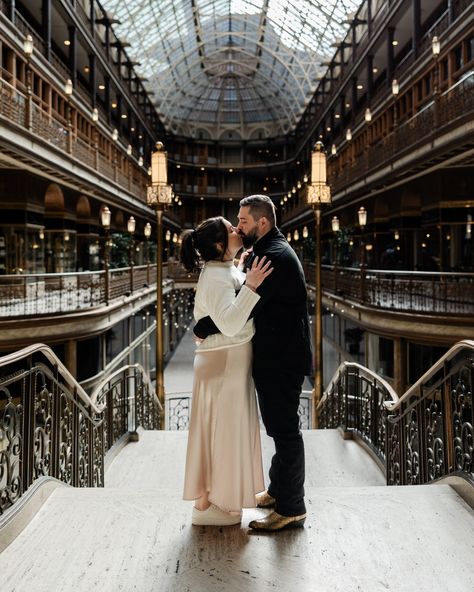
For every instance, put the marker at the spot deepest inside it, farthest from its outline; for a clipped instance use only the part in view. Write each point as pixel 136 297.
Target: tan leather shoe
pixel 264 500
pixel 274 522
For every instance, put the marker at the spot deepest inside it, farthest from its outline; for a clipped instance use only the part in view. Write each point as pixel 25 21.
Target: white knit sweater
pixel 215 296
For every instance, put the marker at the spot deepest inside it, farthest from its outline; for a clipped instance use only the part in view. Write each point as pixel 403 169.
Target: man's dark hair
pixel 260 205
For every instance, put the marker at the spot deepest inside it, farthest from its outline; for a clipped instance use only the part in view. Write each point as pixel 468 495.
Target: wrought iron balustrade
pixel 49 426
pixel 444 112
pixel 178 410
pixel 52 128
pixel 424 292
pixel 426 434
pixel 51 293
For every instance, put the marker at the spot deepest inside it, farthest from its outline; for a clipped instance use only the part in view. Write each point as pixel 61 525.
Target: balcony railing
pixel 444 113
pixel 52 293
pixel 422 292
pixel 22 111
pixel 51 429
pixel 424 435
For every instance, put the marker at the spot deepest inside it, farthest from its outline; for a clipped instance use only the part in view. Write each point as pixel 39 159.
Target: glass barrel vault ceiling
pixel 244 67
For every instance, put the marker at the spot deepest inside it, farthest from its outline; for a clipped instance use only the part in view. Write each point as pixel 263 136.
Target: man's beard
pixel 249 239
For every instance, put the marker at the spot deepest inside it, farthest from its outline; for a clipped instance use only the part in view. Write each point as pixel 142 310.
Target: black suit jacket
pixel 282 337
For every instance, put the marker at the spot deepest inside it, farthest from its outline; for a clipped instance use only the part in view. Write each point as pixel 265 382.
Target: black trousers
pixel 279 397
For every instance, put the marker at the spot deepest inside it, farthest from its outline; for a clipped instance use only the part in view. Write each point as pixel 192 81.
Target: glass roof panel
pixel 266 53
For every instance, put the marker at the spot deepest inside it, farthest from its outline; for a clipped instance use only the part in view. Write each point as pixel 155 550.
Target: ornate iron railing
pixel 426 434
pixel 445 112
pixel 50 293
pixel 425 292
pixel 49 426
pixel 178 410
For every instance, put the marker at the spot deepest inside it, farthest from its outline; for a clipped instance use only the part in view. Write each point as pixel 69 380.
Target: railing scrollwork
pixel 50 427
pixel 423 436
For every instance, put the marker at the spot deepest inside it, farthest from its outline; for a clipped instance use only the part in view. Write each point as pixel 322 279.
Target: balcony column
pixel 416 24
pixel 70 356
pixel 92 18
pixel 390 55
pixel 46 27
pixel 73 54
pixel 369 19
pixel 11 11
pixel 107 97
pixel 400 365
pixel 370 78
pixel 93 79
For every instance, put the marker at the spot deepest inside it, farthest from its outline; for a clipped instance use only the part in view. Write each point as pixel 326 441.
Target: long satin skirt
pixel 224 456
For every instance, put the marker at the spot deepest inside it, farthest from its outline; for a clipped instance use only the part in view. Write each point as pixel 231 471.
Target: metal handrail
pixel 364 370
pixel 420 437
pixel 28 351
pixel 50 427
pixel 449 355
pixel 99 389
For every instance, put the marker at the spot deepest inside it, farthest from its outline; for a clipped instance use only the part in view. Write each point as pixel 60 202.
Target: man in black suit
pixel 281 359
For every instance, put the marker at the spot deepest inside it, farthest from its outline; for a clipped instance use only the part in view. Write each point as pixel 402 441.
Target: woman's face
pixel 235 241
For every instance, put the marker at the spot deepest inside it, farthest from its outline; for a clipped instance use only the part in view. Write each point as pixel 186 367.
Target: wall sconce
pixel 288 237
pixel 368 115
pixel 175 237
pixel 348 135
pixel 115 135
pixel 129 149
pixel 95 115
pixel 140 161
pixel 335 224
pixel 396 235
pixel 168 235
pixel 395 87
pixel 305 232
pixel 334 148
pixel 435 46
pixel 147 230
pixel 296 235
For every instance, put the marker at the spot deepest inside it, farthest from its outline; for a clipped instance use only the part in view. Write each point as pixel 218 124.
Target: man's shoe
pixel 275 522
pixel 265 500
pixel 214 516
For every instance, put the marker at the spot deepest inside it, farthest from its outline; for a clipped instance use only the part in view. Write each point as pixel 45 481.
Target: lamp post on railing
pixel 131 229
pixel 105 216
pixel 159 196
pixel 147 232
pixel 28 51
pixel 436 48
pixel 318 194
pixel 68 90
pixel 335 228
pixel 362 217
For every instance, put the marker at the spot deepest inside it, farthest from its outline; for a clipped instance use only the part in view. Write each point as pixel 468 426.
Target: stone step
pixel 370 539
pixel 136 533
pixel 157 460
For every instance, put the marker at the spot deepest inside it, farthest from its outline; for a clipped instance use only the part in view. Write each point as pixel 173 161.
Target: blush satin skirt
pixel 224 456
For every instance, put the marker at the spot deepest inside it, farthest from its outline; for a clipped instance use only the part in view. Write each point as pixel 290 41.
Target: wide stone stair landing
pixel 136 534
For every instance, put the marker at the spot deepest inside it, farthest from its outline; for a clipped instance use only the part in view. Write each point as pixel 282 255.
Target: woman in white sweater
pixel 223 461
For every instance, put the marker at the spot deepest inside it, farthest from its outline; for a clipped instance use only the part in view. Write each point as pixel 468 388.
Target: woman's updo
pixel 208 242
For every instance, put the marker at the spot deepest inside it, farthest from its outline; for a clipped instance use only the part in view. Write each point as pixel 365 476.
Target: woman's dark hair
pixel 208 242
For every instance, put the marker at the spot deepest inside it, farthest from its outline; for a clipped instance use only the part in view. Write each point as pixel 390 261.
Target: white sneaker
pixel 214 516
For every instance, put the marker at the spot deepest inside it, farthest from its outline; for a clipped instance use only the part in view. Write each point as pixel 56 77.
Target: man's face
pixel 247 227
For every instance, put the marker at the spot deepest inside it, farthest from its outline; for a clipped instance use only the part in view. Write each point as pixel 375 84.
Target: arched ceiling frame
pixel 173 92
pixel 285 40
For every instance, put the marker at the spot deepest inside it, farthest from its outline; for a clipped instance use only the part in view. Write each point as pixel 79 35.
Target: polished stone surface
pixel 136 534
